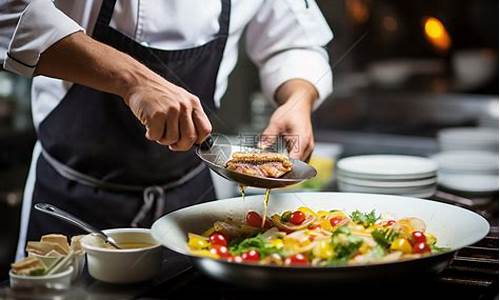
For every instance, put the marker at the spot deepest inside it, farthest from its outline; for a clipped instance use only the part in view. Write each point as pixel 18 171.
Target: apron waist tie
pixel 152 195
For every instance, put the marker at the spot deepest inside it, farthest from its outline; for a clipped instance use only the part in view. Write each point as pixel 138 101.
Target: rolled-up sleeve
pixel 33 27
pixel 286 39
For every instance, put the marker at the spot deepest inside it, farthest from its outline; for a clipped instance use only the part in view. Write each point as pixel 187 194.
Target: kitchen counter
pixel 87 288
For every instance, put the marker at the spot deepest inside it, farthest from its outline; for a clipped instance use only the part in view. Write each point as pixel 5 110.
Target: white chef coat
pixel 284 38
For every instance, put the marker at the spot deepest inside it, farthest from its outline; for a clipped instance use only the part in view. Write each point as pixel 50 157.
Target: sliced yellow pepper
pixel 277 243
pixel 401 245
pixel 323 214
pixel 197 242
pixel 364 248
pixel 326 225
pixel 204 253
pixel 290 244
pixel 323 249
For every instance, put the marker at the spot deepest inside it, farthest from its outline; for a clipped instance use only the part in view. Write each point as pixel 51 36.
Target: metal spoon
pixel 215 151
pixel 69 218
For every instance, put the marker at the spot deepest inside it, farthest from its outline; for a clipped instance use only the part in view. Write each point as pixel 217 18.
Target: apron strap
pixel 105 13
pixel 74 175
pixel 224 18
pixel 152 195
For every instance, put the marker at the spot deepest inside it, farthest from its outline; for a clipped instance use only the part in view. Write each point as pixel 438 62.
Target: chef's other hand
pixel 292 119
pixel 172 116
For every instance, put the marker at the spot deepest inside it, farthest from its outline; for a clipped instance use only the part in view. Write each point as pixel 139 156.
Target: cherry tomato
pixel 297 217
pixel 235 259
pixel 421 248
pixel 314 226
pixel 389 223
pixel 418 237
pixel 220 250
pixel 218 238
pixel 255 220
pixel 297 260
pixel 251 256
pixel 335 221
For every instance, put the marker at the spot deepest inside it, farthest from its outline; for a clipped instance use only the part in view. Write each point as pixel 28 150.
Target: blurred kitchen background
pixel 403 71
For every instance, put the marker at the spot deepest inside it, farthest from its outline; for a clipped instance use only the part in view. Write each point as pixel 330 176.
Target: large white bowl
pixel 455 227
pixel 60 280
pixel 123 265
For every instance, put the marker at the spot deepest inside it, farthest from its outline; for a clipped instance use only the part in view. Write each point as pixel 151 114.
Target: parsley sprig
pixel 365 219
pixel 384 237
pixel 256 243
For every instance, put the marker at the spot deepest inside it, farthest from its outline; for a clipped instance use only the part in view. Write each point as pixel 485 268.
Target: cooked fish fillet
pixel 260 164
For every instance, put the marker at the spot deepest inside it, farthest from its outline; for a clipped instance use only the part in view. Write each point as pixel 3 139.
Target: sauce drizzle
pixel 266 204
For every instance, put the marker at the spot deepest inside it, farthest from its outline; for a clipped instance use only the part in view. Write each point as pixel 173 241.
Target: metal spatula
pixel 216 150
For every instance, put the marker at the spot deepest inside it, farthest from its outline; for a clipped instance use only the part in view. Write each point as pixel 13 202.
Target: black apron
pixel 96 162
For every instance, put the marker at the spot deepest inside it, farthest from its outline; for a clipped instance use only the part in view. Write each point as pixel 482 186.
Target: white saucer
pixel 387 183
pixel 469 183
pixel 467 161
pixel 387 167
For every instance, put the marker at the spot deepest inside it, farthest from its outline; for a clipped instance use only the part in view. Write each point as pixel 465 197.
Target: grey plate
pixel 217 156
pixel 454 226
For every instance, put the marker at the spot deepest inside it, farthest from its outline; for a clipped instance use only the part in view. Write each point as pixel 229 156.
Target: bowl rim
pixel 67 272
pixel 87 247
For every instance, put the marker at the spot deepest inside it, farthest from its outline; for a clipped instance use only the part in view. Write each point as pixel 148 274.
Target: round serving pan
pixel 454 227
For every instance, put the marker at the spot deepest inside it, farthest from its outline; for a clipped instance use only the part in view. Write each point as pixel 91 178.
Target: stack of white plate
pixel 468 171
pixel 468 138
pixel 387 174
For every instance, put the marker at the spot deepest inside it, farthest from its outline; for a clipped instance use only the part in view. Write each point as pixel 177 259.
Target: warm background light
pixel 436 34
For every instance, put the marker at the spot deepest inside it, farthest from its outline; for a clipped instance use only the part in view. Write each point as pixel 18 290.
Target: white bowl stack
pixel 469 159
pixel 468 171
pixel 468 138
pixel 411 176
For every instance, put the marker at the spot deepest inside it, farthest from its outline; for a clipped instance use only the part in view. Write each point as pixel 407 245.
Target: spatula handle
pixel 207 143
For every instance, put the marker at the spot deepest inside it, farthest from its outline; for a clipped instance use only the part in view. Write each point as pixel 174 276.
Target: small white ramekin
pixel 124 265
pixel 61 280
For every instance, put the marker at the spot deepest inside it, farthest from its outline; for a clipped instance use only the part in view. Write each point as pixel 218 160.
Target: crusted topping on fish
pixel 260 164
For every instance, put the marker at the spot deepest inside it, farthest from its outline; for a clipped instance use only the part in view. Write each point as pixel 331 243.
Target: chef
pixel 122 90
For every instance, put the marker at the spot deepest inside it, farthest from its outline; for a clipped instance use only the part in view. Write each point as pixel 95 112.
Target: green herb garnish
pixel 256 243
pixel 285 216
pixel 365 219
pixel 345 245
pixel 342 230
pixel 436 250
pixel 384 237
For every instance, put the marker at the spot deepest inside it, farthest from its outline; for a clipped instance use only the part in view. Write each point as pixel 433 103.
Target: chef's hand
pixel 292 119
pixel 172 116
